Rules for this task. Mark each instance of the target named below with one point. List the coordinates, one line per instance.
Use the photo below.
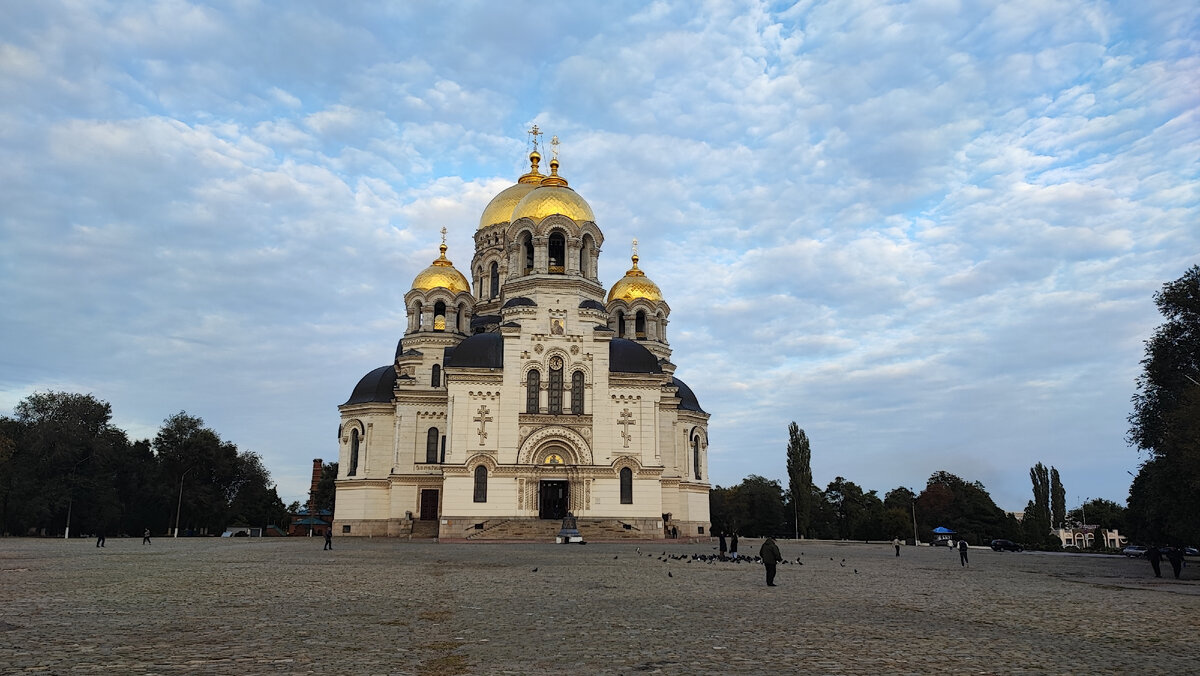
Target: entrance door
(553, 504)
(429, 505)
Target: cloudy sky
(929, 233)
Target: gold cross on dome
(443, 234)
(554, 146)
(535, 133)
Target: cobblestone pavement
(284, 606)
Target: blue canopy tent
(942, 537)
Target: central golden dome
(553, 196)
(441, 275)
(500, 209)
(635, 284)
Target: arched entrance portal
(554, 495)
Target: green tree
(206, 471)
(1058, 500)
(962, 506)
(799, 469)
(1104, 513)
(325, 496)
(1165, 496)
(753, 508)
(1038, 518)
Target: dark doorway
(429, 505)
(553, 504)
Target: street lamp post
(179, 505)
(914, 516)
(71, 497)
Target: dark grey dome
(687, 399)
(482, 350)
(626, 356)
(519, 301)
(590, 304)
(375, 386)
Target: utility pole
(914, 516)
(179, 505)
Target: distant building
(1084, 537)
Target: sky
(929, 233)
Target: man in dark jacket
(769, 553)
(1155, 556)
(1175, 556)
(721, 539)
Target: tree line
(64, 467)
(1164, 498)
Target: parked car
(1006, 546)
(1191, 551)
(1133, 551)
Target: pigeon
(615, 558)
(669, 574)
(534, 570)
(856, 571)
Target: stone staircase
(425, 529)
(545, 530)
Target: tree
(1104, 513)
(799, 469)
(1038, 518)
(1058, 500)
(962, 506)
(325, 495)
(1165, 422)
(752, 508)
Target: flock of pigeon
(712, 559)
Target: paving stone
(379, 606)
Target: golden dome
(500, 209)
(635, 284)
(441, 275)
(553, 196)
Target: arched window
(439, 316)
(558, 254)
(585, 255)
(353, 453)
(527, 246)
(577, 393)
(696, 456)
(554, 396)
(620, 323)
(639, 325)
(494, 285)
(431, 445)
(626, 486)
(533, 388)
(436, 381)
(481, 484)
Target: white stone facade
(526, 393)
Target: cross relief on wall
(626, 419)
(483, 419)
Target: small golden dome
(500, 209)
(635, 284)
(441, 275)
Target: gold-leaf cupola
(635, 284)
(500, 209)
(553, 196)
(441, 274)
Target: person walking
(896, 544)
(1175, 556)
(1155, 557)
(962, 552)
(328, 538)
(721, 541)
(769, 553)
(100, 543)
(733, 546)
(146, 536)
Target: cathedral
(526, 393)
